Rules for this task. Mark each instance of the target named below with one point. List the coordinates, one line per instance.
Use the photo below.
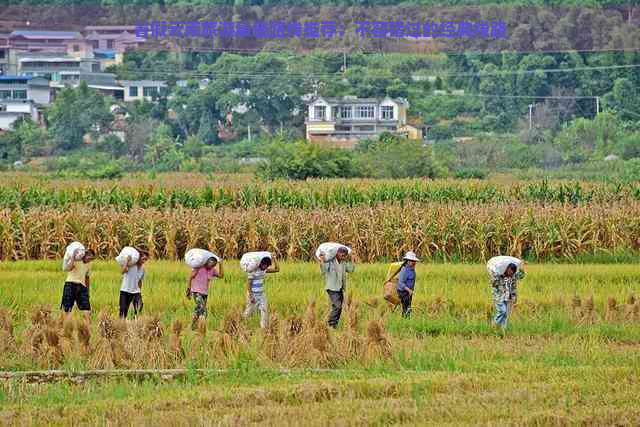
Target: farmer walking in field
(76, 286)
(505, 273)
(335, 274)
(407, 282)
(256, 298)
(198, 287)
(131, 288)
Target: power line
(333, 75)
(627, 111)
(543, 70)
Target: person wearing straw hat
(407, 282)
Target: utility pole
(597, 105)
(344, 62)
(530, 116)
(249, 132)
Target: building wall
(327, 141)
(39, 94)
(140, 95)
(7, 119)
(14, 112)
(129, 98)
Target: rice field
(571, 349)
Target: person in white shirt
(131, 289)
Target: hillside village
(98, 91)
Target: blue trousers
(503, 310)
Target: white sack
(68, 260)
(496, 266)
(128, 251)
(251, 260)
(196, 258)
(329, 250)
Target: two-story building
(44, 41)
(348, 120)
(109, 42)
(48, 64)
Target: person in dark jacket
(407, 282)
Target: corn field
(436, 231)
(312, 194)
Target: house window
(95, 44)
(110, 44)
(365, 128)
(2, 53)
(76, 48)
(346, 112)
(386, 112)
(149, 91)
(320, 112)
(5, 94)
(133, 91)
(20, 94)
(95, 68)
(334, 112)
(364, 112)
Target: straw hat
(411, 256)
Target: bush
(113, 145)
(302, 160)
(582, 138)
(395, 157)
(111, 170)
(85, 164)
(631, 171)
(471, 173)
(629, 146)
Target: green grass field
(561, 361)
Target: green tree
(196, 112)
(162, 153)
(193, 146)
(76, 112)
(582, 138)
(623, 100)
(32, 140)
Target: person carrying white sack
(205, 266)
(131, 262)
(256, 297)
(504, 272)
(334, 265)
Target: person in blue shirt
(407, 282)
